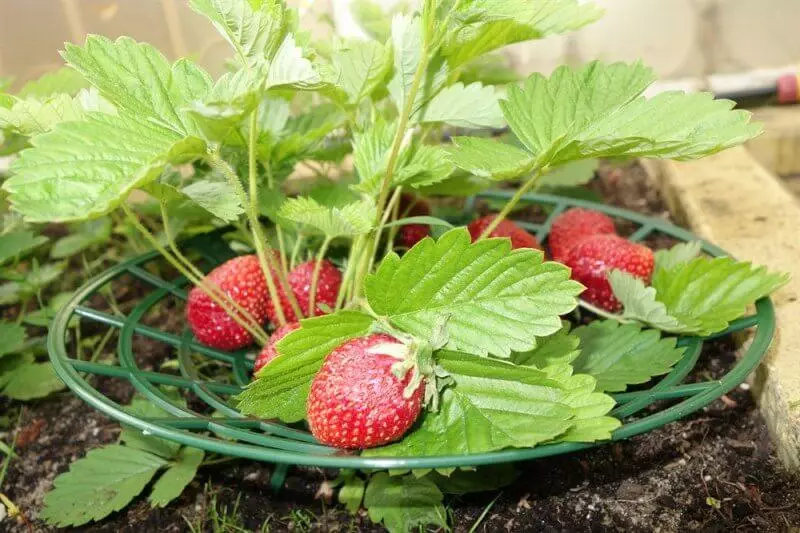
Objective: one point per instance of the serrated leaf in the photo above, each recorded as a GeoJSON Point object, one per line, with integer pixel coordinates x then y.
{"type": "Point", "coordinates": [598, 111]}
{"type": "Point", "coordinates": [497, 300]}
{"type": "Point", "coordinates": [31, 117]}
{"type": "Point", "coordinates": [370, 153]}
{"type": "Point", "coordinates": [640, 303]}
{"type": "Point", "coordinates": [713, 291]}
{"type": "Point", "coordinates": [407, 46]}
{"type": "Point", "coordinates": [352, 494]}
{"type": "Point", "coordinates": [83, 236]}
{"type": "Point", "coordinates": [403, 503]}
{"type": "Point", "coordinates": [136, 77]}
{"type": "Point", "coordinates": [289, 69]}
{"type": "Point", "coordinates": [492, 405]}
{"type": "Point", "coordinates": [424, 166]}
{"type": "Point", "coordinates": [303, 134]}
{"type": "Point", "coordinates": [682, 252]}
{"type": "Point", "coordinates": [490, 159]}
{"type": "Point", "coordinates": [470, 106]}
{"type": "Point", "coordinates": [255, 29]}
{"type": "Point", "coordinates": [282, 386]}
{"type": "Point", "coordinates": [31, 381]}
{"type": "Point", "coordinates": [13, 336]}
{"type": "Point", "coordinates": [104, 481]}
{"type": "Point", "coordinates": [559, 348]}
{"type": "Point", "coordinates": [85, 169]}
{"type": "Point", "coordinates": [485, 25]}
{"type": "Point", "coordinates": [62, 81]}
{"type": "Point", "coordinates": [19, 243]}
{"type": "Point", "coordinates": [618, 355]}
{"type": "Point", "coordinates": [177, 477]}
{"type": "Point", "coordinates": [591, 408]}
{"type": "Point", "coordinates": [350, 220]}
{"type": "Point", "coordinates": [371, 18]}
{"type": "Point", "coordinates": [360, 67]}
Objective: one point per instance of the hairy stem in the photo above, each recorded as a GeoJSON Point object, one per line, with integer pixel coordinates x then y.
{"type": "Point", "coordinates": [278, 229]}
{"type": "Point", "coordinates": [349, 270]}
{"type": "Point", "coordinates": [298, 243]}
{"type": "Point", "coordinates": [602, 312]}
{"type": "Point", "coordinates": [312, 296]}
{"type": "Point", "coordinates": [390, 207]}
{"type": "Point", "coordinates": [257, 333]}
{"type": "Point", "coordinates": [512, 202]}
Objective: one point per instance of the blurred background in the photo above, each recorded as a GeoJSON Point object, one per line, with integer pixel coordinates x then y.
{"type": "Point", "coordinates": [693, 44]}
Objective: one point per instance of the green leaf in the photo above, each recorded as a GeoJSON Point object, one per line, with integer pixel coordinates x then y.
{"type": "Point", "coordinates": [289, 69]}
{"type": "Point", "coordinates": [353, 219]}
{"type": "Point", "coordinates": [559, 348]}
{"type": "Point", "coordinates": [10, 293]}
{"type": "Point", "coordinates": [569, 175]}
{"type": "Point", "coordinates": [11, 363]}
{"type": "Point", "coordinates": [425, 166]}
{"type": "Point", "coordinates": [104, 481]}
{"type": "Point", "coordinates": [371, 153]}
{"type": "Point", "coordinates": [83, 236]}
{"type": "Point", "coordinates": [31, 117]}
{"type": "Point", "coordinates": [490, 159]}
{"type": "Point", "coordinates": [44, 275]}
{"type": "Point", "coordinates": [459, 183]}
{"type": "Point", "coordinates": [85, 169]}
{"type": "Point", "coordinates": [403, 503]}
{"type": "Point", "coordinates": [32, 381]}
{"type": "Point", "coordinates": [471, 106]}
{"type": "Point", "coordinates": [62, 81]}
{"type": "Point", "coordinates": [254, 28]}
{"type": "Point", "coordinates": [282, 386]}
{"type": "Point", "coordinates": [618, 355]}
{"type": "Point", "coordinates": [303, 134]}
{"type": "Point", "coordinates": [360, 67]}
{"type": "Point", "coordinates": [481, 479]}
{"type": "Point", "coordinates": [19, 243]}
{"type": "Point", "coordinates": [352, 494]}
{"type": "Point", "coordinates": [640, 303]}
{"type": "Point", "coordinates": [492, 405]}
{"type": "Point", "coordinates": [590, 423]}
{"type": "Point", "coordinates": [713, 291]}
{"type": "Point", "coordinates": [180, 473]}
{"type": "Point", "coordinates": [682, 252]}
{"type": "Point", "coordinates": [136, 77]}
{"type": "Point", "coordinates": [497, 300]}
{"type": "Point", "coordinates": [489, 70]}
{"type": "Point", "coordinates": [598, 111]}
{"type": "Point", "coordinates": [371, 18]}
{"type": "Point", "coordinates": [486, 25]}
{"type": "Point", "coordinates": [133, 437]}
{"type": "Point", "coordinates": [13, 336]}
{"type": "Point", "coordinates": [209, 195]}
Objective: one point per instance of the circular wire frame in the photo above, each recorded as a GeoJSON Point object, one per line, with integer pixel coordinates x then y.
{"type": "Point", "coordinates": [230, 433]}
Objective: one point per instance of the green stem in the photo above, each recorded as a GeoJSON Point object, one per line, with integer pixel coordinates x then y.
{"type": "Point", "coordinates": [312, 296]}
{"type": "Point", "coordinates": [393, 202]}
{"type": "Point", "coordinates": [349, 270]}
{"type": "Point", "coordinates": [298, 244]}
{"type": "Point", "coordinates": [603, 313]}
{"type": "Point", "coordinates": [278, 229]}
{"type": "Point", "coordinates": [395, 210]}
{"type": "Point", "coordinates": [258, 334]}
{"type": "Point", "coordinates": [527, 186]}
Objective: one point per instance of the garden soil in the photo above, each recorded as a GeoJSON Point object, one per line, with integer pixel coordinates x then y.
{"type": "Point", "coordinates": [715, 470]}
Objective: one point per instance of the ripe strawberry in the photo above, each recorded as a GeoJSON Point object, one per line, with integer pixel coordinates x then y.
{"type": "Point", "coordinates": [572, 226]}
{"type": "Point", "coordinates": [411, 234]}
{"type": "Point", "coordinates": [519, 237]}
{"type": "Point", "coordinates": [241, 279]}
{"type": "Point", "coordinates": [268, 352]}
{"type": "Point", "coordinates": [595, 255]}
{"type": "Point", "coordinates": [410, 206]}
{"type": "Point", "coordinates": [356, 401]}
{"type": "Point", "coordinates": [300, 281]}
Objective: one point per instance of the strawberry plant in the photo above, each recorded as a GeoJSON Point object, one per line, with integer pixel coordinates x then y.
{"type": "Point", "coordinates": [417, 336]}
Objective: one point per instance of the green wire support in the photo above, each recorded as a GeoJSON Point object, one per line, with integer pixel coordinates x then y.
{"type": "Point", "coordinates": [228, 432]}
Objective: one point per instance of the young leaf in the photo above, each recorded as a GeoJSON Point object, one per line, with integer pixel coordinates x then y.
{"type": "Point", "coordinates": [282, 386]}
{"type": "Point", "coordinates": [640, 303]}
{"type": "Point", "coordinates": [682, 252]}
{"type": "Point", "coordinates": [559, 348]}
{"type": "Point", "coordinates": [31, 117]}
{"type": "Point", "coordinates": [133, 437]}
{"type": "Point", "coordinates": [255, 29]}
{"type": "Point", "coordinates": [425, 166]}
{"type": "Point", "coordinates": [350, 220]}
{"type": "Point", "coordinates": [136, 77]}
{"type": "Point", "coordinates": [490, 159]}
{"type": "Point", "coordinates": [404, 503]}
{"type": "Point", "coordinates": [370, 154]}
{"type": "Point", "coordinates": [352, 493]}
{"type": "Point", "coordinates": [104, 481]}
{"type": "Point", "coordinates": [32, 381]}
{"type": "Point", "coordinates": [471, 106]}
{"type": "Point", "coordinates": [598, 111]}
{"type": "Point", "coordinates": [360, 67]}
{"type": "Point", "coordinates": [407, 46]}
{"type": "Point", "coordinates": [618, 355]}
{"type": "Point", "coordinates": [289, 69]}
{"type": "Point", "coordinates": [62, 81]}
{"type": "Point", "coordinates": [569, 175]}
{"type": "Point", "coordinates": [85, 169]}
{"type": "Point", "coordinates": [19, 243]}
{"type": "Point", "coordinates": [302, 134]}
{"type": "Point", "coordinates": [209, 195]}
{"type": "Point", "coordinates": [83, 236]}
{"type": "Point", "coordinates": [180, 473]}
{"type": "Point", "coordinates": [497, 300]}
{"type": "Point", "coordinates": [13, 336]}
{"type": "Point", "coordinates": [492, 405]}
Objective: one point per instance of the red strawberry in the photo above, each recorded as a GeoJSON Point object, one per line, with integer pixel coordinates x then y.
{"type": "Point", "coordinates": [268, 352]}
{"type": "Point", "coordinates": [519, 237]}
{"type": "Point", "coordinates": [356, 401]}
{"type": "Point", "coordinates": [595, 255]}
{"type": "Point", "coordinates": [241, 279]}
{"type": "Point", "coordinates": [572, 226]}
{"type": "Point", "coordinates": [300, 281]}
{"type": "Point", "coordinates": [411, 234]}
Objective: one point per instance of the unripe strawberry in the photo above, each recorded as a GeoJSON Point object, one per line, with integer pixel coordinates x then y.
{"type": "Point", "coordinates": [356, 401]}
{"type": "Point", "coordinates": [592, 258]}
{"type": "Point", "coordinates": [519, 237]}
{"type": "Point", "coordinates": [242, 280]}
{"type": "Point", "coordinates": [268, 352]}
{"type": "Point", "coordinates": [572, 226]}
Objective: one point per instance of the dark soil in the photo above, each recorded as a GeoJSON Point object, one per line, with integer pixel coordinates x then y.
{"type": "Point", "coordinates": [715, 470]}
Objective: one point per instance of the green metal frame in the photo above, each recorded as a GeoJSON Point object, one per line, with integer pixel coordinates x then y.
{"type": "Point", "coordinates": [236, 435]}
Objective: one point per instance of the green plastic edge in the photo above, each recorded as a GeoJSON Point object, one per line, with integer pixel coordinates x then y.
{"type": "Point", "coordinates": [296, 447]}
